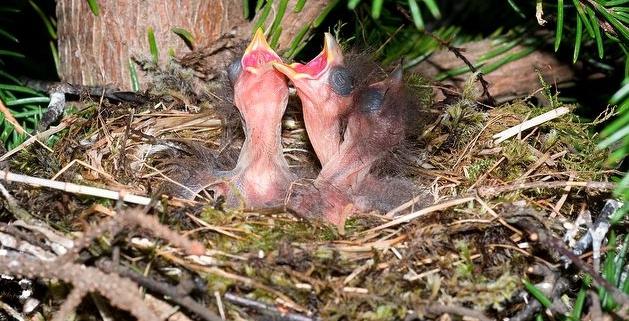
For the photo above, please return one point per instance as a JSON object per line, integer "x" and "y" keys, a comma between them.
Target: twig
{"x": 424, "y": 211}
{"x": 488, "y": 191}
{"x": 486, "y": 173}
{"x": 167, "y": 290}
{"x": 37, "y": 138}
{"x": 562, "y": 199}
{"x": 11, "y": 312}
{"x": 439, "y": 309}
{"x": 618, "y": 296}
{"x": 80, "y": 162}
{"x": 121, "y": 158}
{"x": 9, "y": 118}
{"x": 457, "y": 52}
{"x": 74, "y": 188}
{"x": 515, "y": 130}
{"x": 13, "y": 207}
{"x": 266, "y": 309}
{"x": 121, "y": 292}
{"x": 70, "y": 304}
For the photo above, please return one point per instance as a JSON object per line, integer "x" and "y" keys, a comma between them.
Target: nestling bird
{"x": 376, "y": 123}
{"x": 352, "y": 125}
{"x": 261, "y": 175}
{"x": 324, "y": 86}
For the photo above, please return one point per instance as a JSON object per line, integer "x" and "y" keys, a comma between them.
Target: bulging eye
{"x": 341, "y": 81}
{"x": 234, "y": 70}
{"x": 371, "y": 100}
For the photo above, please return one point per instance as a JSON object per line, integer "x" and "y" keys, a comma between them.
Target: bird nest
{"x": 505, "y": 182}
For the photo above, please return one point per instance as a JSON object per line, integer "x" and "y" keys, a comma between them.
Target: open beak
{"x": 258, "y": 53}
{"x": 330, "y": 55}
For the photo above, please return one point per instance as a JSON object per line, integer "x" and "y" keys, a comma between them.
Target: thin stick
{"x": 74, "y": 188}
{"x": 488, "y": 191}
{"x": 80, "y": 162}
{"x": 9, "y": 118}
{"x": 437, "y": 308}
{"x": 33, "y": 139}
{"x": 515, "y": 130}
{"x": 496, "y": 216}
{"x": 563, "y": 199}
{"x": 424, "y": 211}
{"x": 491, "y": 169}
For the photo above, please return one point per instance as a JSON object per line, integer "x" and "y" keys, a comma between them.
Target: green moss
{"x": 478, "y": 168}
{"x": 383, "y": 312}
{"x": 217, "y": 283}
{"x": 518, "y": 152}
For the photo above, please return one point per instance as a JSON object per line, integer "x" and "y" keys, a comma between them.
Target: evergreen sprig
{"x": 26, "y": 105}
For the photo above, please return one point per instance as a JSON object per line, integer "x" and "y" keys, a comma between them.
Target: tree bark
{"x": 515, "y": 79}
{"x": 96, "y": 50}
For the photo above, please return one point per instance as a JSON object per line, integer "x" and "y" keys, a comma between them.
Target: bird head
{"x": 378, "y": 113}
{"x": 258, "y": 87}
{"x": 324, "y": 78}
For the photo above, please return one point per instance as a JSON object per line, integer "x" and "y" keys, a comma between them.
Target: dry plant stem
{"x": 70, "y": 304}
{"x": 250, "y": 282}
{"x": 86, "y": 165}
{"x": 120, "y": 292}
{"x": 424, "y": 211}
{"x": 491, "y": 169}
{"x": 489, "y": 191}
{"x": 457, "y": 52}
{"x": 515, "y": 130}
{"x": 132, "y": 218}
{"x": 13, "y": 207}
{"x": 165, "y": 289}
{"x": 74, "y": 188}
{"x": 266, "y": 309}
{"x": 618, "y": 296}
{"x": 9, "y": 310}
{"x": 135, "y": 217}
{"x": 121, "y": 158}
{"x": 37, "y": 138}
{"x": 479, "y": 75}
{"x": 562, "y": 199}
{"x": 458, "y": 310}
{"x": 9, "y": 117}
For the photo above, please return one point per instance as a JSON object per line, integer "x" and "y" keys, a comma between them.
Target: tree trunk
{"x": 96, "y": 50}
{"x": 514, "y": 79}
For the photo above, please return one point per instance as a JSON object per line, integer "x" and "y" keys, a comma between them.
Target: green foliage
{"x": 185, "y": 35}
{"x": 94, "y": 7}
{"x": 616, "y": 135}
{"x": 572, "y": 17}
{"x": 26, "y": 105}
{"x": 153, "y": 45}
{"x": 413, "y": 6}
{"x": 537, "y": 294}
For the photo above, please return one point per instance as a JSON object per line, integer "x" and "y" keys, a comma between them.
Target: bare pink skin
{"x": 322, "y": 107}
{"x": 369, "y": 135}
{"x": 261, "y": 175}
{"x": 322, "y": 110}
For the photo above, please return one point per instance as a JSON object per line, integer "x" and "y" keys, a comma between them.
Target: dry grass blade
{"x": 424, "y": 211}
{"x": 74, "y": 188}
{"x": 37, "y": 138}
{"x": 513, "y": 131}
{"x": 9, "y": 117}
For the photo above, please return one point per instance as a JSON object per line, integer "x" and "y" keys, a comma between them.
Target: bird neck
{"x": 265, "y": 141}
{"x": 324, "y": 130}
